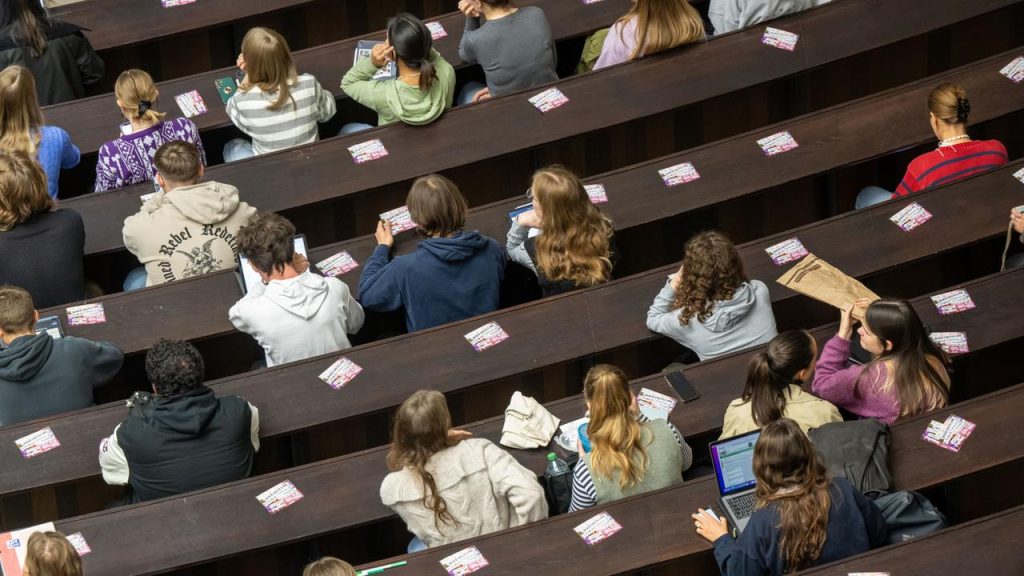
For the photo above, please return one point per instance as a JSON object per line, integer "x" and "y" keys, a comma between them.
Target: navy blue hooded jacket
{"x": 444, "y": 280}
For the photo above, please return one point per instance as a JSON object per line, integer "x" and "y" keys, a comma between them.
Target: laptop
{"x": 734, "y": 468}
{"x": 248, "y": 278}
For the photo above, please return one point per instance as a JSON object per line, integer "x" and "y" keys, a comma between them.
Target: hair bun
{"x": 963, "y": 109}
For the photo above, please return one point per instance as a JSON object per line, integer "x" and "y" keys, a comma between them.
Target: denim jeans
{"x": 353, "y": 127}
{"x": 467, "y": 93}
{"x": 238, "y": 149}
{"x": 136, "y": 279}
{"x": 870, "y": 196}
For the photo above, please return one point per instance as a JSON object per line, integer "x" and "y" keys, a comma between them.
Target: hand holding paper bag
{"x": 818, "y": 279}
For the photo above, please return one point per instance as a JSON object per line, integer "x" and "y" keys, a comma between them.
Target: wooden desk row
{"x": 601, "y": 319}
{"x": 317, "y": 173}
{"x": 656, "y": 527}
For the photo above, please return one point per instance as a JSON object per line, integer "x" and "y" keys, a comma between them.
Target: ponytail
{"x": 413, "y": 44}
{"x": 770, "y": 373}
{"x": 428, "y": 74}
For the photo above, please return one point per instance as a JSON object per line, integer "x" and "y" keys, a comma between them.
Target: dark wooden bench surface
{"x": 989, "y": 545}
{"x": 613, "y": 315}
{"x": 95, "y": 120}
{"x": 117, "y": 537}
{"x": 656, "y": 527}
{"x": 838, "y": 136}
{"x": 118, "y": 23}
{"x": 613, "y": 96}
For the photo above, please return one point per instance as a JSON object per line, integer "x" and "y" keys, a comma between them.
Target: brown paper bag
{"x": 822, "y": 281}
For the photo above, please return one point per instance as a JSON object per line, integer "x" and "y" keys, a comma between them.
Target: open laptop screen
{"x": 734, "y": 462}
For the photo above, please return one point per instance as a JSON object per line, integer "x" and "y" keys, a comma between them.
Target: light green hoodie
{"x": 395, "y": 100}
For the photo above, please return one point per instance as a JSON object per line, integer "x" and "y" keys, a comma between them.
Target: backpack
{"x": 909, "y": 515}
{"x": 857, "y": 450}
{"x": 558, "y": 489}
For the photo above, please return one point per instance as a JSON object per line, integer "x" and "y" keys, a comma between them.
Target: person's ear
{"x": 161, "y": 182}
{"x": 888, "y": 345}
{"x": 202, "y": 171}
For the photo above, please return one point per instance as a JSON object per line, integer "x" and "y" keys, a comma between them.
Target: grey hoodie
{"x": 742, "y": 322}
{"x": 300, "y": 317}
{"x": 41, "y": 377}
{"x": 187, "y": 231}
{"x": 730, "y": 15}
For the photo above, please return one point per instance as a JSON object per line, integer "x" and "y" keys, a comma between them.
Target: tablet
{"x": 250, "y": 278}
{"x": 50, "y": 325}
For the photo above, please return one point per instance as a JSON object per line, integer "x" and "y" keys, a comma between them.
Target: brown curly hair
{"x": 711, "y": 271}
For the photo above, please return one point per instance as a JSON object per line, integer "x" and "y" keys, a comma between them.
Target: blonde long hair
{"x": 268, "y": 65}
{"x": 790, "y": 476}
{"x": 615, "y": 435}
{"x": 20, "y": 117}
{"x": 575, "y": 245}
{"x": 420, "y": 431}
{"x": 50, "y": 554}
{"x": 137, "y": 95}
{"x": 662, "y": 24}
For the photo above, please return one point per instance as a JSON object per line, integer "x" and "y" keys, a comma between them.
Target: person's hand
{"x": 300, "y": 263}
{"x": 529, "y": 219}
{"x": 677, "y": 280}
{"x": 708, "y": 526}
{"x": 846, "y": 322}
{"x": 1017, "y": 219}
{"x": 455, "y": 435}
{"x": 381, "y": 54}
{"x": 482, "y": 95}
{"x": 383, "y": 234}
{"x": 240, "y": 62}
{"x": 471, "y": 8}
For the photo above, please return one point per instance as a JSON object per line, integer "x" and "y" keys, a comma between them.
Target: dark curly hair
{"x": 711, "y": 272}
{"x": 268, "y": 241}
{"x": 174, "y": 367}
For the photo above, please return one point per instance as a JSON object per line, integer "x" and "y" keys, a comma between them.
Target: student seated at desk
{"x": 425, "y": 84}
{"x": 513, "y": 45}
{"x": 41, "y": 247}
{"x": 293, "y": 313}
{"x": 907, "y": 375}
{"x": 575, "y": 247}
{"x": 730, "y": 15}
{"x": 41, "y": 376}
{"x": 128, "y": 160}
{"x": 1017, "y": 223}
{"x": 448, "y": 486}
{"x": 188, "y": 228}
{"x": 956, "y": 157}
{"x": 328, "y": 566}
{"x": 182, "y": 437}
{"x": 709, "y": 305}
{"x": 57, "y": 53}
{"x": 50, "y": 554}
{"x": 773, "y": 389}
{"x": 630, "y": 454}
{"x": 22, "y": 127}
{"x": 454, "y": 274}
{"x": 803, "y": 518}
{"x": 649, "y": 27}
{"x": 275, "y": 105}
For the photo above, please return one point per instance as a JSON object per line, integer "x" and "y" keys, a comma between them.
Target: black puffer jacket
{"x": 63, "y": 70}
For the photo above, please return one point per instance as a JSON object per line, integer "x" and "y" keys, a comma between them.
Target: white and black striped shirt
{"x": 292, "y": 124}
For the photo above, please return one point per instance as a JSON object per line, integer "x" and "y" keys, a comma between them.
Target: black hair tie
{"x": 963, "y": 109}
{"x": 144, "y": 106}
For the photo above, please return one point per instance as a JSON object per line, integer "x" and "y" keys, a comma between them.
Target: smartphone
{"x": 226, "y": 87}
{"x": 519, "y": 210}
{"x": 678, "y": 381}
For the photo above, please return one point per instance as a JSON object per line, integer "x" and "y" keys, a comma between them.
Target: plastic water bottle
{"x": 556, "y": 466}
{"x": 558, "y": 481}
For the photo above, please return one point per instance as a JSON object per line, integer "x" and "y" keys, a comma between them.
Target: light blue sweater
{"x": 56, "y": 153}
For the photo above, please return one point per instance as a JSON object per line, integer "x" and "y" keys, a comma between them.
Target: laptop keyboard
{"x": 743, "y": 506}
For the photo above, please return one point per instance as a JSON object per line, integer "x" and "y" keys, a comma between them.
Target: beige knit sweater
{"x": 484, "y": 487}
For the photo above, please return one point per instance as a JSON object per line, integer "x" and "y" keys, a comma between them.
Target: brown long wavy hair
{"x": 790, "y": 477}
{"x": 662, "y": 24}
{"x": 919, "y": 365}
{"x": 770, "y": 373}
{"x": 711, "y": 271}
{"x": 575, "y": 245}
{"x": 615, "y": 435}
{"x": 420, "y": 431}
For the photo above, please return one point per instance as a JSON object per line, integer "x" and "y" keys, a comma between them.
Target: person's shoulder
{"x": 994, "y": 146}
{"x": 924, "y": 161}
{"x": 67, "y": 215}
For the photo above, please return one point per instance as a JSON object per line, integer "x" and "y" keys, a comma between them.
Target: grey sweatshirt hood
{"x": 728, "y": 313}
{"x": 302, "y": 295}
{"x": 206, "y": 202}
{"x": 25, "y": 357}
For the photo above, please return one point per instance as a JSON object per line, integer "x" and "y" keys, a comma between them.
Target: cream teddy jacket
{"x": 484, "y": 487}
